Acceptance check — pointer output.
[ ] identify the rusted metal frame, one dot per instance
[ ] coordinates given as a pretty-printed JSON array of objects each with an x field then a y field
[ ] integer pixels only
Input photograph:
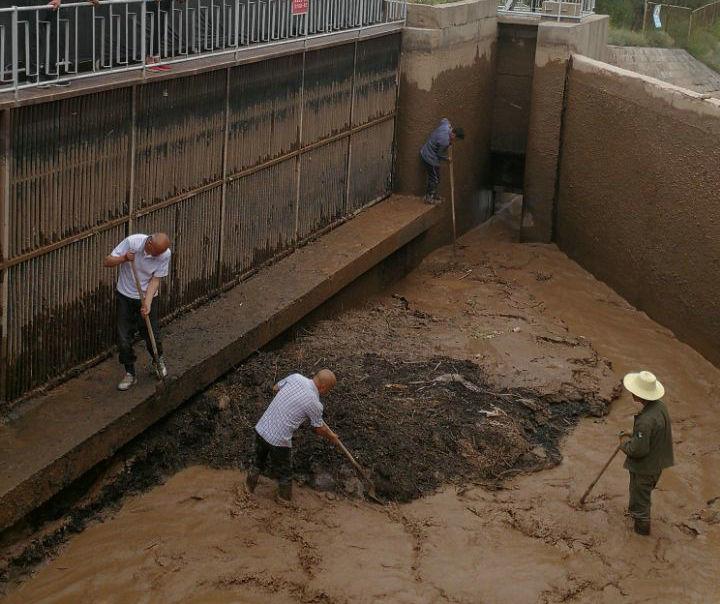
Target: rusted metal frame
[
  {"x": 352, "y": 122},
  {"x": 131, "y": 161},
  {"x": 5, "y": 167},
  {"x": 223, "y": 194},
  {"x": 393, "y": 159},
  {"x": 187, "y": 195},
  {"x": 60, "y": 244},
  {"x": 298, "y": 160}
]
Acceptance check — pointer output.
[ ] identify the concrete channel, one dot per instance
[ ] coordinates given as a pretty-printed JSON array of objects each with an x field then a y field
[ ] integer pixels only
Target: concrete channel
[{"x": 288, "y": 178}]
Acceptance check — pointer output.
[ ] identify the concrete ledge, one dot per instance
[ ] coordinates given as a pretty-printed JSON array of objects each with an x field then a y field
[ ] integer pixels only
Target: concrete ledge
[
  {"x": 637, "y": 88},
  {"x": 442, "y": 16},
  {"x": 427, "y": 40},
  {"x": 86, "y": 420}
]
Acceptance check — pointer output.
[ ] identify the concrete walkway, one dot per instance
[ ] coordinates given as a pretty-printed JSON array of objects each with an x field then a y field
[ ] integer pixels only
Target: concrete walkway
[
  {"x": 86, "y": 420},
  {"x": 672, "y": 65}
]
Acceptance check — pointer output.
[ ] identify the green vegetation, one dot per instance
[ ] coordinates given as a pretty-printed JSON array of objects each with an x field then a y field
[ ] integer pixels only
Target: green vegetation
[
  {"x": 628, "y": 37},
  {"x": 626, "y": 25},
  {"x": 704, "y": 44}
]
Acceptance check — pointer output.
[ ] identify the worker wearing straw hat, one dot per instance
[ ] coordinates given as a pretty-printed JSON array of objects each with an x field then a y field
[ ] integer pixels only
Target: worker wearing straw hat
[{"x": 649, "y": 449}]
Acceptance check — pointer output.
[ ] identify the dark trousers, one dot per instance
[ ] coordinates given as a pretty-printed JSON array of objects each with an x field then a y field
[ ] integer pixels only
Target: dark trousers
[
  {"x": 129, "y": 322},
  {"x": 280, "y": 458},
  {"x": 433, "y": 179},
  {"x": 641, "y": 487}
]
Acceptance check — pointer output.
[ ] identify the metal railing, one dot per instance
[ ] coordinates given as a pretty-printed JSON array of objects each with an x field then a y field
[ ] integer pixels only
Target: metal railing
[
  {"x": 706, "y": 16},
  {"x": 559, "y": 10},
  {"x": 40, "y": 46}
]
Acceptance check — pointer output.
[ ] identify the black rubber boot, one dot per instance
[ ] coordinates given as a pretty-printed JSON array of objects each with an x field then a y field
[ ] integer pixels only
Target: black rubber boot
[
  {"x": 285, "y": 492},
  {"x": 642, "y": 527},
  {"x": 251, "y": 480}
]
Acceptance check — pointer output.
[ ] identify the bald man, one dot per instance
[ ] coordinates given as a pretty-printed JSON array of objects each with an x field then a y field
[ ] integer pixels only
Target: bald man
[
  {"x": 297, "y": 399},
  {"x": 151, "y": 255}
]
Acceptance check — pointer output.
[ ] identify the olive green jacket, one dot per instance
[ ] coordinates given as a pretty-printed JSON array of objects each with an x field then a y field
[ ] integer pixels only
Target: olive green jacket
[{"x": 650, "y": 449}]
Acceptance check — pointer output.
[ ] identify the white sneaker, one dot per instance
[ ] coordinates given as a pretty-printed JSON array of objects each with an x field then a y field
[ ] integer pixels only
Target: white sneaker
[
  {"x": 127, "y": 382},
  {"x": 158, "y": 370},
  {"x": 161, "y": 369}
]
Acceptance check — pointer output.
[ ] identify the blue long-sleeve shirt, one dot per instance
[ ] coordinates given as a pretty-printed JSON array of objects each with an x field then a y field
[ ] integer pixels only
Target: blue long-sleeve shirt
[{"x": 436, "y": 147}]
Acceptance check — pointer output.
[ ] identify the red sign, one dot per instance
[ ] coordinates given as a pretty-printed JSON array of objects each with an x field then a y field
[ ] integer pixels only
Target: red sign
[{"x": 299, "y": 7}]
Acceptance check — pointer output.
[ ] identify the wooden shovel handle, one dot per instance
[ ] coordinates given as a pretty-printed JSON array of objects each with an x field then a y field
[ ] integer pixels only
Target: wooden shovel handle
[
  {"x": 351, "y": 459},
  {"x": 148, "y": 325},
  {"x": 605, "y": 467}
]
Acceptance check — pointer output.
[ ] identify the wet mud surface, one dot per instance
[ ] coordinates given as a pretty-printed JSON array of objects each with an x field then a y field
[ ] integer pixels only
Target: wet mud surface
[{"x": 511, "y": 345}]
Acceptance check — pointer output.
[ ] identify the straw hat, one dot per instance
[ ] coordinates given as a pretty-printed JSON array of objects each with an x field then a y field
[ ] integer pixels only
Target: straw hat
[{"x": 645, "y": 385}]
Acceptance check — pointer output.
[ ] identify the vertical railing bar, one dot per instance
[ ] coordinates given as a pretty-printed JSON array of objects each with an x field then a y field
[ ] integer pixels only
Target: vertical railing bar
[
  {"x": 5, "y": 166},
  {"x": 352, "y": 122},
  {"x": 223, "y": 194},
  {"x": 298, "y": 163},
  {"x": 143, "y": 37},
  {"x": 77, "y": 29},
  {"x": 132, "y": 150},
  {"x": 14, "y": 22},
  {"x": 237, "y": 24},
  {"x": 57, "y": 43}
]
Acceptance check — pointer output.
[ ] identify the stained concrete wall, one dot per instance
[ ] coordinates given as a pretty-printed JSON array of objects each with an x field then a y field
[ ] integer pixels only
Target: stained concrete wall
[
  {"x": 639, "y": 195},
  {"x": 447, "y": 70},
  {"x": 513, "y": 85},
  {"x": 555, "y": 43}
]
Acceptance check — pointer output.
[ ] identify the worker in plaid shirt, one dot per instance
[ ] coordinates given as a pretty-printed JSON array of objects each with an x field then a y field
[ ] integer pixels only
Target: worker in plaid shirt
[{"x": 297, "y": 399}]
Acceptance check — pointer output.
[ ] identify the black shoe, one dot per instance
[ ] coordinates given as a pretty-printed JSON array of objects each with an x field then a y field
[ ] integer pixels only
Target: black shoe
[
  {"x": 642, "y": 527},
  {"x": 251, "y": 480}
]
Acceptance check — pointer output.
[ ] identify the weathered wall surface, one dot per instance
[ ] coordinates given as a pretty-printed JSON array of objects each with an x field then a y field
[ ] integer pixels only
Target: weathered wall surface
[
  {"x": 513, "y": 86},
  {"x": 639, "y": 195},
  {"x": 555, "y": 43},
  {"x": 238, "y": 164},
  {"x": 447, "y": 70}
]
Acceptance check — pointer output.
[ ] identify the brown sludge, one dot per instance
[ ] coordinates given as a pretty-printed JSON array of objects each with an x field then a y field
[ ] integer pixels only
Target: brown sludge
[{"x": 490, "y": 316}]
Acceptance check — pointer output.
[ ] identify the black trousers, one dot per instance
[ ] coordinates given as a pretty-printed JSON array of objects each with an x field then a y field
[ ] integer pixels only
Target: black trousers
[
  {"x": 641, "y": 488},
  {"x": 433, "y": 179},
  {"x": 280, "y": 457},
  {"x": 129, "y": 322}
]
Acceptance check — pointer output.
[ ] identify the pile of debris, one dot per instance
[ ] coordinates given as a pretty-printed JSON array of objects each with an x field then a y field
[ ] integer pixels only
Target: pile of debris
[{"x": 416, "y": 425}]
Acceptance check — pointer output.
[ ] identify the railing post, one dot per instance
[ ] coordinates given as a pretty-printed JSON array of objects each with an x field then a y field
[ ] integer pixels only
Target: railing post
[{"x": 14, "y": 36}]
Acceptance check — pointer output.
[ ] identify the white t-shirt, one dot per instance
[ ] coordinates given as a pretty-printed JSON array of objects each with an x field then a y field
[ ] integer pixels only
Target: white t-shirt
[
  {"x": 297, "y": 399},
  {"x": 147, "y": 265}
]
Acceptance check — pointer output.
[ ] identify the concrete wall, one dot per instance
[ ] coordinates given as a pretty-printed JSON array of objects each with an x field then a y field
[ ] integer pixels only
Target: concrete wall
[
  {"x": 639, "y": 195},
  {"x": 555, "y": 43},
  {"x": 447, "y": 70}
]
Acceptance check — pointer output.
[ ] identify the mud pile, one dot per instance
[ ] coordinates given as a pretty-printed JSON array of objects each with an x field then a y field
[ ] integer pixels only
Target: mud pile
[
  {"x": 414, "y": 425},
  {"x": 414, "y": 418}
]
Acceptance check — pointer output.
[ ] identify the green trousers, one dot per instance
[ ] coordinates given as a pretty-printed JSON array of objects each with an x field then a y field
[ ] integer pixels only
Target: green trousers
[{"x": 641, "y": 487}]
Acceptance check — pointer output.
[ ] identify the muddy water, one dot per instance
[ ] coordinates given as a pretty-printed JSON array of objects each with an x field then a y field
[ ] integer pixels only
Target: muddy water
[{"x": 200, "y": 538}]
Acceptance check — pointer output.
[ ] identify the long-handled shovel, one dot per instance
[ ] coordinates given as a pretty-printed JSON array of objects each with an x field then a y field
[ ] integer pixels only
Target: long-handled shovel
[
  {"x": 605, "y": 467},
  {"x": 148, "y": 325},
  {"x": 362, "y": 474},
  {"x": 452, "y": 199}
]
